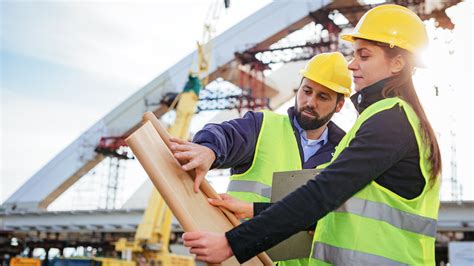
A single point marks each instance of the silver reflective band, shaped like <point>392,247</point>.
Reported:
<point>342,256</point>
<point>250,186</point>
<point>382,212</point>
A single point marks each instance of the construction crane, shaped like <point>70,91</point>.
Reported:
<point>114,148</point>
<point>151,241</point>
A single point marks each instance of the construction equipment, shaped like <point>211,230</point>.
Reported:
<point>204,47</point>
<point>25,262</point>
<point>114,148</point>
<point>187,102</point>
<point>151,241</point>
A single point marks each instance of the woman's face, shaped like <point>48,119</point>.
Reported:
<point>369,64</point>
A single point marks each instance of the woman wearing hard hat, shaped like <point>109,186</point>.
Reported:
<point>377,202</point>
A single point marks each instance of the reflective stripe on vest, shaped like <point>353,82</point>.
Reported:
<point>342,256</point>
<point>376,226</point>
<point>276,150</point>
<point>250,186</point>
<point>382,212</point>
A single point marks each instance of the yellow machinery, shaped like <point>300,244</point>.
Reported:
<point>25,262</point>
<point>151,242</point>
<point>113,262</point>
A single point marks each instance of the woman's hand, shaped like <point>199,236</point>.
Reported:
<point>193,156</point>
<point>239,208</point>
<point>208,246</point>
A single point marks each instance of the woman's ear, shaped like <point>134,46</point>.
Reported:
<point>397,64</point>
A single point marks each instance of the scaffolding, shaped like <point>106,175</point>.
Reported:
<point>115,149</point>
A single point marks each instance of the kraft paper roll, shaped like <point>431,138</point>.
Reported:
<point>192,210</point>
<point>205,187</point>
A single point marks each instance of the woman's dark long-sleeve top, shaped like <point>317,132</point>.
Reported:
<point>384,149</point>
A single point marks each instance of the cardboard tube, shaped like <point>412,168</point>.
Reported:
<point>191,209</point>
<point>205,187</point>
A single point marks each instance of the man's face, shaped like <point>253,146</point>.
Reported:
<point>315,105</point>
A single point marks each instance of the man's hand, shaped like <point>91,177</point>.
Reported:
<point>193,156</point>
<point>239,208</point>
<point>208,246</point>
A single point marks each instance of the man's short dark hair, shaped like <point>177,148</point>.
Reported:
<point>340,96</point>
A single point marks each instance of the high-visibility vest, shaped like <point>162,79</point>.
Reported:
<point>276,151</point>
<point>376,226</point>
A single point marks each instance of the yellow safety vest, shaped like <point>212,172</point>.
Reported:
<point>276,151</point>
<point>376,226</point>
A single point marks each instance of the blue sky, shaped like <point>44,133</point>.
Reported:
<point>45,106</point>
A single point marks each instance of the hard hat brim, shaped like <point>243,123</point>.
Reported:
<point>378,38</point>
<point>352,37</point>
<point>326,83</point>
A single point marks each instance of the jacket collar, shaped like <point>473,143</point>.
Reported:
<point>368,95</point>
<point>291,113</point>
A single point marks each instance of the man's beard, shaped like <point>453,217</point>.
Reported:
<point>307,123</point>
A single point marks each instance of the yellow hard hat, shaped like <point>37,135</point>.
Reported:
<point>394,25</point>
<point>329,70</point>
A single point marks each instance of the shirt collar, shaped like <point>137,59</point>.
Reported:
<point>322,139</point>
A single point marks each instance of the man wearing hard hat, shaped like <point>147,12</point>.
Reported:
<point>261,143</point>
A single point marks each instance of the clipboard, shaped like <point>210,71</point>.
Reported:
<point>299,244</point>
